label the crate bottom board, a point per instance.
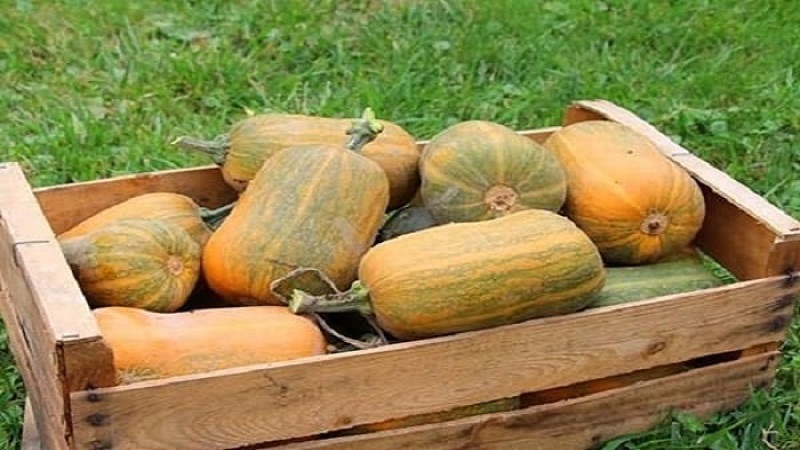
(571, 423)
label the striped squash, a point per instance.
(478, 170)
(467, 276)
(255, 139)
(170, 206)
(634, 203)
(312, 206)
(144, 263)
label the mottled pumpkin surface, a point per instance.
(478, 170)
(169, 206)
(144, 263)
(466, 276)
(312, 206)
(631, 199)
(148, 345)
(257, 138)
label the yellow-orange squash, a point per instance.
(144, 263)
(472, 275)
(253, 140)
(478, 170)
(312, 206)
(634, 203)
(170, 206)
(149, 345)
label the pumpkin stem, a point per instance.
(213, 218)
(369, 341)
(363, 131)
(218, 148)
(354, 299)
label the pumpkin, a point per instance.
(170, 206)
(407, 219)
(312, 206)
(145, 263)
(151, 345)
(471, 275)
(634, 203)
(683, 272)
(477, 170)
(253, 140)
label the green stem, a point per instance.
(218, 148)
(214, 217)
(354, 299)
(363, 131)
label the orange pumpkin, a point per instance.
(255, 139)
(634, 203)
(144, 263)
(312, 206)
(170, 206)
(148, 345)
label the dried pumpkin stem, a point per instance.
(363, 131)
(218, 148)
(354, 299)
(214, 217)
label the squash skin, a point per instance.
(634, 202)
(144, 263)
(170, 206)
(467, 276)
(149, 345)
(257, 138)
(478, 170)
(311, 206)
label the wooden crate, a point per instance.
(580, 378)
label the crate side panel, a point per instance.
(34, 360)
(583, 422)
(303, 398)
(67, 204)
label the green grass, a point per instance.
(98, 89)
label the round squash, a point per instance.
(478, 170)
(169, 206)
(473, 275)
(149, 345)
(253, 140)
(634, 203)
(145, 263)
(312, 206)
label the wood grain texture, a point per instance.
(46, 316)
(580, 423)
(67, 204)
(30, 431)
(306, 397)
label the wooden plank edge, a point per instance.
(564, 424)
(757, 313)
(30, 429)
(721, 183)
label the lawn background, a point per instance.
(97, 89)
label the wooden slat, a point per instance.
(48, 319)
(767, 239)
(580, 423)
(67, 204)
(307, 397)
(30, 431)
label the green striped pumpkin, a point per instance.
(468, 276)
(150, 264)
(315, 206)
(478, 170)
(685, 272)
